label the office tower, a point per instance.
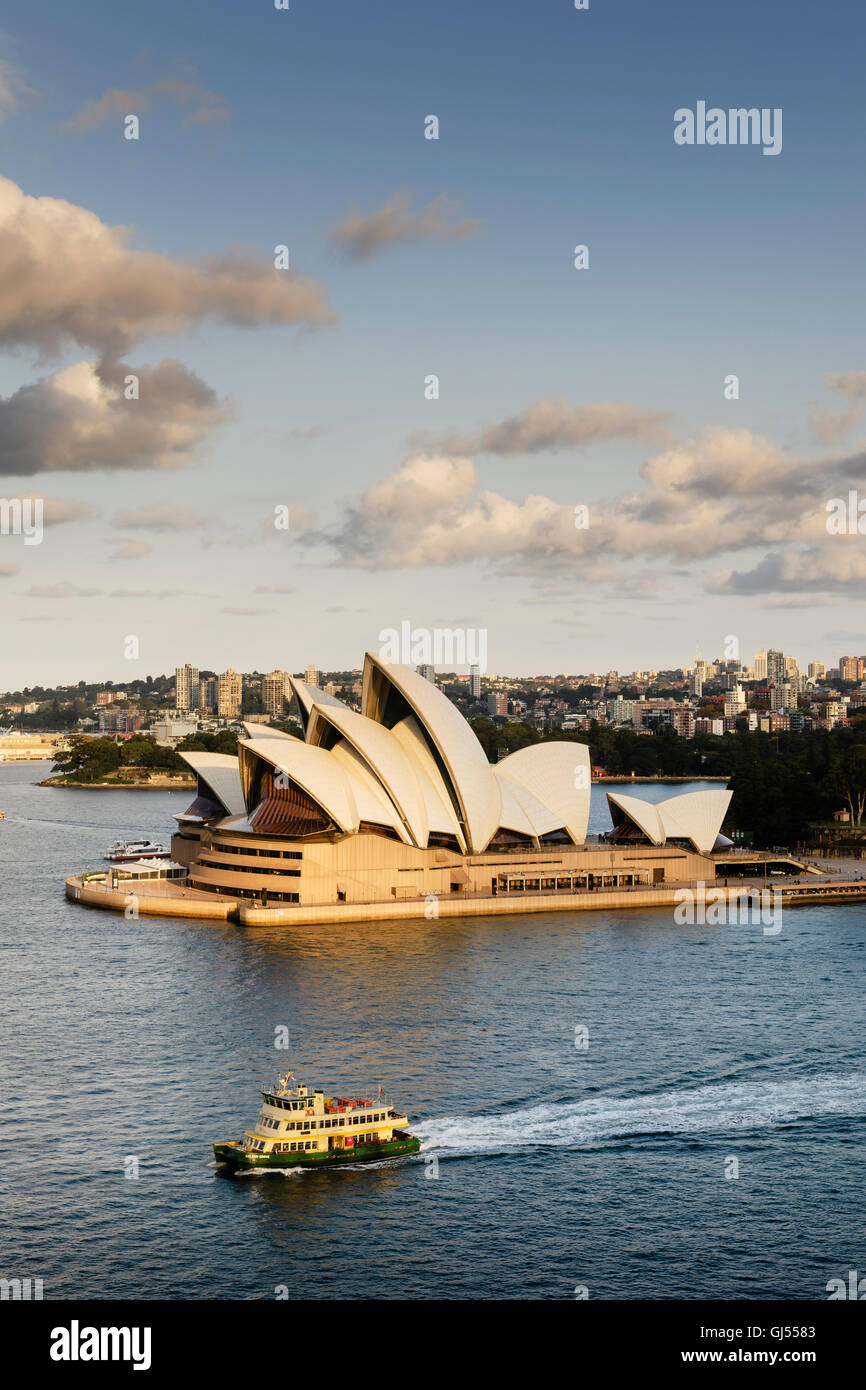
(475, 682)
(207, 694)
(497, 704)
(760, 666)
(735, 702)
(186, 687)
(850, 668)
(276, 693)
(684, 722)
(785, 697)
(816, 670)
(621, 710)
(775, 668)
(229, 694)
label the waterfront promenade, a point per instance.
(171, 899)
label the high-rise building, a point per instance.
(475, 682)
(428, 672)
(276, 693)
(311, 676)
(850, 668)
(186, 687)
(775, 668)
(207, 694)
(621, 711)
(697, 682)
(816, 670)
(497, 704)
(735, 702)
(229, 694)
(683, 721)
(788, 697)
(760, 666)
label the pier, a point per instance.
(172, 899)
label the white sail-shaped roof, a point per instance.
(254, 730)
(313, 769)
(695, 816)
(558, 776)
(309, 695)
(383, 754)
(371, 800)
(644, 814)
(539, 817)
(441, 816)
(514, 815)
(463, 758)
(221, 775)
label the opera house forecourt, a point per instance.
(397, 812)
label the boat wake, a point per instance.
(271, 1172)
(731, 1106)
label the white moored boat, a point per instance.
(123, 850)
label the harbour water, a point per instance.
(552, 1158)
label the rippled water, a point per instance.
(543, 1166)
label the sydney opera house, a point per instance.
(400, 802)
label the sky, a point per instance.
(262, 393)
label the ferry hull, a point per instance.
(233, 1156)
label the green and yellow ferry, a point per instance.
(300, 1128)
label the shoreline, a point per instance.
(177, 901)
(165, 783)
(627, 777)
(152, 784)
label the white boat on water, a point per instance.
(123, 850)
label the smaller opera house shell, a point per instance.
(399, 802)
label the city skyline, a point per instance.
(191, 681)
(306, 395)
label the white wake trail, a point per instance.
(726, 1106)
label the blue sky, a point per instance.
(556, 128)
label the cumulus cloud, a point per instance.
(833, 568)
(67, 275)
(554, 422)
(362, 237)
(721, 491)
(79, 418)
(207, 106)
(431, 511)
